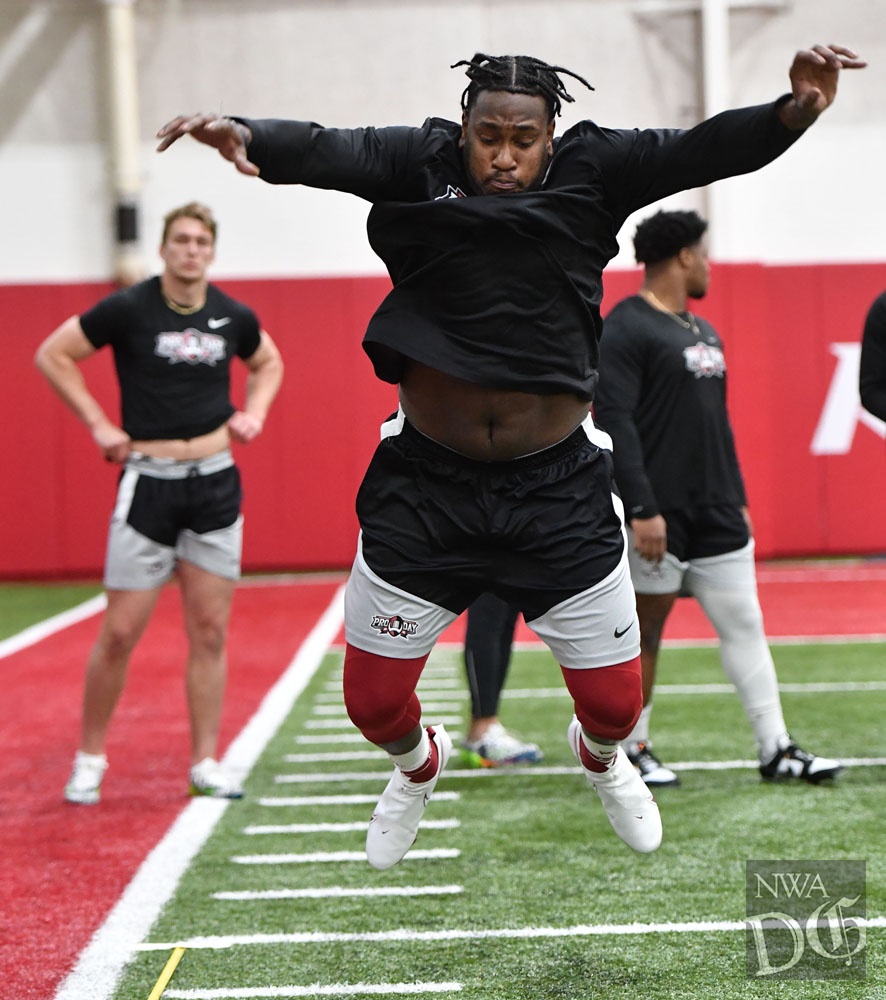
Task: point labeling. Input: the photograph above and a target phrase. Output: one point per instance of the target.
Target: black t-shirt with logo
(173, 369)
(662, 397)
(504, 290)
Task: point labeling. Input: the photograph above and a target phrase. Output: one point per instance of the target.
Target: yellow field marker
(166, 974)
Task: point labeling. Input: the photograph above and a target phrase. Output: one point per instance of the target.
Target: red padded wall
(301, 476)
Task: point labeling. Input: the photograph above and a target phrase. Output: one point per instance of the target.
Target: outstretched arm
(229, 137)
(814, 73)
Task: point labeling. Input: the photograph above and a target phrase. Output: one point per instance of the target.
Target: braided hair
(665, 234)
(517, 75)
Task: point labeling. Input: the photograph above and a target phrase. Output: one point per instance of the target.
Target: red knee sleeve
(607, 699)
(380, 694)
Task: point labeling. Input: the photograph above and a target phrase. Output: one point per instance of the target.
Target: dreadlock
(665, 234)
(517, 75)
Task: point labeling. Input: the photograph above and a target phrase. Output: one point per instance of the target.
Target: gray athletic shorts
(733, 571)
(169, 510)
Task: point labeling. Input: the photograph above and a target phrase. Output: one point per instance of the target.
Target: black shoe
(790, 761)
(651, 769)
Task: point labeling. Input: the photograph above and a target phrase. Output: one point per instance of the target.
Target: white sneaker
(499, 748)
(394, 824)
(84, 785)
(648, 766)
(208, 778)
(791, 761)
(629, 804)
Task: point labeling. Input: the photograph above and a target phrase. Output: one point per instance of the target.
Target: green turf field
(515, 906)
(24, 604)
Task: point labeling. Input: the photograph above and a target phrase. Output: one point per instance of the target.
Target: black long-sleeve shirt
(662, 398)
(504, 290)
(872, 371)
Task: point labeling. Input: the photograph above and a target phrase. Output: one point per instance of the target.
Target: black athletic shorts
(536, 530)
(700, 532)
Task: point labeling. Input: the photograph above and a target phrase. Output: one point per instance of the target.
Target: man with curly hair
(492, 475)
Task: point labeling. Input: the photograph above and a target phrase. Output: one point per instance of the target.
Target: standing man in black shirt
(492, 476)
(872, 369)
(662, 397)
(178, 502)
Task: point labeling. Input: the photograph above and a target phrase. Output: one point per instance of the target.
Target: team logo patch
(394, 625)
(451, 192)
(705, 361)
(191, 346)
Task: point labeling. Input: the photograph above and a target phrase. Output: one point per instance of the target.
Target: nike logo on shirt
(214, 324)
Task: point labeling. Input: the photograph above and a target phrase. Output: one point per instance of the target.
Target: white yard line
(446, 720)
(114, 943)
(315, 738)
(430, 670)
(320, 777)
(428, 705)
(332, 756)
(42, 630)
(343, 800)
(316, 990)
(811, 687)
(426, 824)
(340, 892)
(321, 857)
(430, 682)
(478, 933)
(318, 739)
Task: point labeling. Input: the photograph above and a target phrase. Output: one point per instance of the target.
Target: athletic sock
(768, 747)
(420, 763)
(596, 756)
(640, 732)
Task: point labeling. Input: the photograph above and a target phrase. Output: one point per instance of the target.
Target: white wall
(355, 62)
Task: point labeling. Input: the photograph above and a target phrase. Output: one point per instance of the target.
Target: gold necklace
(182, 310)
(656, 303)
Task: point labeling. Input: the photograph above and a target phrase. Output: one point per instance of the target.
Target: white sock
(603, 753)
(640, 732)
(414, 758)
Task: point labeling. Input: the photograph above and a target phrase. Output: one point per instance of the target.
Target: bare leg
(206, 602)
(124, 622)
(652, 611)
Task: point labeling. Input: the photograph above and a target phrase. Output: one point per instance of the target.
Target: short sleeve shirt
(173, 368)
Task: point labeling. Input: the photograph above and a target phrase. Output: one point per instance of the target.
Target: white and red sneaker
(394, 824)
(629, 804)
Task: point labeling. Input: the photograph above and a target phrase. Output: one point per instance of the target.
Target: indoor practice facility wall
(814, 467)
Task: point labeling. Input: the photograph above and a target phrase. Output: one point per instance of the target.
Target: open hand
(814, 73)
(230, 138)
